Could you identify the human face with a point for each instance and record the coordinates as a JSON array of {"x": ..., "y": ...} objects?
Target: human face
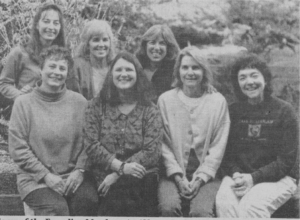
[
  {"x": 252, "y": 84},
  {"x": 156, "y": 49},
  {"x": 124, "y": 74},
  {"x": 48, "y": 26},
  {"x": 54, "y": 74},
  {"x": 191, "y": 73},
  {"x": 99, "y": 46}
]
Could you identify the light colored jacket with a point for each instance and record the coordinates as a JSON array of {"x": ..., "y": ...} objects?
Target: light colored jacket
[{"x": 205, "y": 129}]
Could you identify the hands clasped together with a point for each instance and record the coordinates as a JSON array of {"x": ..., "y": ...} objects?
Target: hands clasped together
[
  {"x": 188, "y": 189},
  {"x": 134, "y": 169},
  {"x": 64, "y": 187},
  {"x": 242, "y": 183}
]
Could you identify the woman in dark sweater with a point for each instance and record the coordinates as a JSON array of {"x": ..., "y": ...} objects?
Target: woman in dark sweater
[
  {"x": 157, "y": 54},
  {"x": 262, "y": 146}
]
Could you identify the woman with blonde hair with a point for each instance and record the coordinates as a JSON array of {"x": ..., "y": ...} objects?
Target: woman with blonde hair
[
  {"x": 157, "y": 54},
  {"x": 196, "y": 125},
  {"x": 94, "y": 53}
]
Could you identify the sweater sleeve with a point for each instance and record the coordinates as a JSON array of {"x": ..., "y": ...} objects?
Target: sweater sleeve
[
  {"x": 19, "y": 147},
  {"x": 217, "y": 144},
  {"x": 10, "y": 71},
  {"x": 96, "y": 152},
  {"x": 150, "y": 153},
  {"x": 169, "y": 159},
  {"x": 82, "y": 158},
  {"x": 287, "y": 153},
  {"x": 73, "y": 82}
]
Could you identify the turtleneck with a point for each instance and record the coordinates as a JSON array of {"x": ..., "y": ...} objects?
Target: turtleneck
[{"x": 50, "y": 97}]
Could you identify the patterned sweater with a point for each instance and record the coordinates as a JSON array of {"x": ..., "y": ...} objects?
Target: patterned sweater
[{"x": 109, "y": 134}]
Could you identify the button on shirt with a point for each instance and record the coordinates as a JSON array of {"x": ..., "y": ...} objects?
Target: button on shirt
[{"x": 110, "y": 134}]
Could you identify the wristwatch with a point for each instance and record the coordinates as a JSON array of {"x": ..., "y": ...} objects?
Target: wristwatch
[{"x": 121, "y": 169}]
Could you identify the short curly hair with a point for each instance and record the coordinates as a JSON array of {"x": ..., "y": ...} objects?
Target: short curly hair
[
  {"x": 57, "y": 53},
  {"x": 250, "y": 61}
]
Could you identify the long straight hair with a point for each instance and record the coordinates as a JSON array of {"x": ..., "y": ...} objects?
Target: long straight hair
[
  {"x": 34, "y": 46},
  {"x": 143, "y": 90}
]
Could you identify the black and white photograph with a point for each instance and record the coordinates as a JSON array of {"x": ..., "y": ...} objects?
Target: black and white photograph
[{"x": 149, "y": 109}]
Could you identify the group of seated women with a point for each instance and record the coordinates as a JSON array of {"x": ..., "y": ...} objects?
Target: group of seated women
[{"x": 155, "y": 137}]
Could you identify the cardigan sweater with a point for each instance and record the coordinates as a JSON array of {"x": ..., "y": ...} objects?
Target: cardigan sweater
[
  {"x": 45, "y": 135},
  {"x": 18, "y": 67},
  {"x": 263, "y": 140},
  {"x": 204, "y": 128},
  {"x": 81, "y": 78}
]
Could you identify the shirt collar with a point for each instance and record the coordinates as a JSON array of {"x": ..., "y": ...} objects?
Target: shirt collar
[{"x": 114, "y": 113}]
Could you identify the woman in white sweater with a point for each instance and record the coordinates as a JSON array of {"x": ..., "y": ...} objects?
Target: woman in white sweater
[{"x": 196, "y": 125}]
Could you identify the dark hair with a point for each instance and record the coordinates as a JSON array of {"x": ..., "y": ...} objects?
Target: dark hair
[
  {"x": 201, "y": 59},
  {"x": 151, "y": 34},
  {"x": 34, "y": 46},
  {"x": 143, "y": 88},
  {"x": 57, "y": 53},
  {"x": 250, "y": 61}
]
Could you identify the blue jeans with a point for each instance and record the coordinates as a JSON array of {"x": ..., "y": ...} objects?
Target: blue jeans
[
  {"x": 202, "y": 205},
  {"x": 47, "y": 202}
]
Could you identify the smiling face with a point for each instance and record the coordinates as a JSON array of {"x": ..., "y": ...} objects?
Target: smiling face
[
  {"x": 124, "y": 74},
  {"x": 54, "y": 74},
  {"x": 99, "y": 46},
  {"x": 48, "y": 26},
  {"x": 252, "y": 84},
  {"x": 191, "y": 74},
  {"x": 156, "y": 49}
]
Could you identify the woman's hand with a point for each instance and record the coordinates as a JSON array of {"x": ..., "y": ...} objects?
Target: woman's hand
[
  {"x": 107, "y": 182},
  {"x": 195, "y": 186},
  {"x": 73, "y": 182},
  {"x": 134, "y": 169},
  {"x": 242, "y": 184},
  {"x": 183, "y": 186},
  {"x": 26, "y": 89},
  {"x": 55, "y": 182},
  {"x": 211, "y": 89}
]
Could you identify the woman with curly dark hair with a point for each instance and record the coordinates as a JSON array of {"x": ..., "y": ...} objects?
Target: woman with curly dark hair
[
  {"x": 157, "y": 54},
  {"x": 262, "y": 146},
  {"x": 122, "y": 137},
  {"x": 21, "y": 70},
  {"x": 45, "y": 141}
]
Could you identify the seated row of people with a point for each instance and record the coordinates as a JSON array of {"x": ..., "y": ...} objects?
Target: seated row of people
[{"x": 143, "y": 159}]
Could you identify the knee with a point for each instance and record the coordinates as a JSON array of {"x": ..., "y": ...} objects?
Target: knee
[
  {"x": 60, "y": 208},
  {"x": 202, "y": 212},
  {"x": 170, "y": 209},
  {"x": 253, "y": 210}
]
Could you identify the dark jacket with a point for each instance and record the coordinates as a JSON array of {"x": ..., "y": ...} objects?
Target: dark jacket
[{"x": 263, "y": 140}]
